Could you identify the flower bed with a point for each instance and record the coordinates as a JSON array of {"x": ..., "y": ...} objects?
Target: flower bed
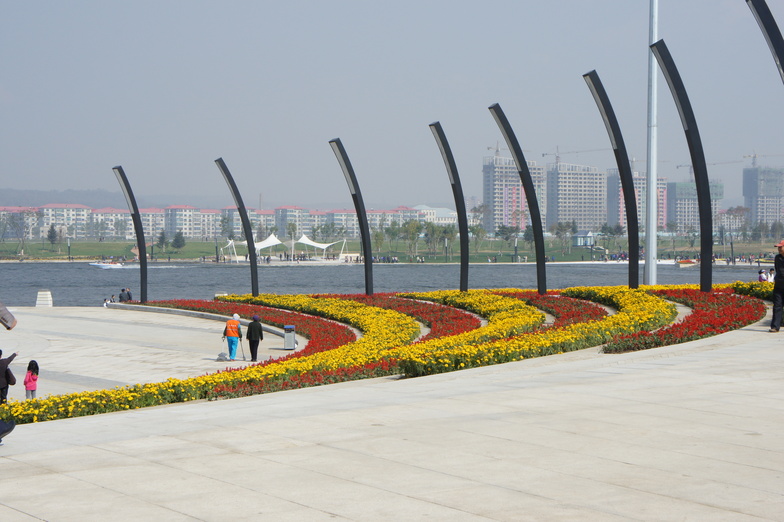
[
  {"x": 637, "y": 310},
  {"x": 566, "y": 310},
  {"x": 712, "y": 313},
  {"x": 388, "y": 335},
  {"x": 442, "y": 320}
]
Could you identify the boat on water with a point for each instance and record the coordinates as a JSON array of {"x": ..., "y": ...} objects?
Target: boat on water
[{"x": 101, "y": 264}]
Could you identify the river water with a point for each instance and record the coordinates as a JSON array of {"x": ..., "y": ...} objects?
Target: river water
[{"x": 79, "y": 284}]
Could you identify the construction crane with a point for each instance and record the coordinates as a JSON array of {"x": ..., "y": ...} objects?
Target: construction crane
[
  {"x": 558, "y": 154},
  {"x": 754, "y": 157},
  {"x": 498, "y": 148},
  {"x": 691, "y": 167}
]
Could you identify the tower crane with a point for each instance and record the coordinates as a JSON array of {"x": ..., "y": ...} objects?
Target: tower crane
[
  {"x": 691, "y": 167},
  {"x": 754, "y": 157},
  {"x": 558, "y": 154},
  {"x": 498, "y": 148}
]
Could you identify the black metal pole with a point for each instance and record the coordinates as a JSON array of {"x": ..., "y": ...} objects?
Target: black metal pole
[
  {"x": 138, "y": 229},
  {"x": 359, "y": 205},
  {"x": 689, "y": 123},
  {"x": 530, "y": 194},
  {"x": 457, "y": 192},
  {"x": 766, "y": 22},
  {"x": 254, "y": 271},
  {"x": 624, "y": 170}
]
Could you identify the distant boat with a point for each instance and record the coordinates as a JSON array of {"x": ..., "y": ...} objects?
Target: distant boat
[{"x": 107, "y": 265}]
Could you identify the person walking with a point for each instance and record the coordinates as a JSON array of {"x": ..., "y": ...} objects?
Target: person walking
[
  {"x": 6, "y": 377},
  {"x": 778, "y": 288},
  {"x": 232, "y": 333},
  {"x": 254, "y": 336},
  {"x": 31, "y": 380}
]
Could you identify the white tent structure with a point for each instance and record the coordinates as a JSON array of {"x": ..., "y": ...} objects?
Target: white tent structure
[
  {"x": 305, "y": 240},
  {"x": 271, "y": 241}
]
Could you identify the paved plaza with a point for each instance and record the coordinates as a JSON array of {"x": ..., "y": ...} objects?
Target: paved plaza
[{"x": 687, "y": 432}]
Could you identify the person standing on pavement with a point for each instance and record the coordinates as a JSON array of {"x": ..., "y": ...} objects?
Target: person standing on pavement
[
  {"x": 6, "y": 377},
  {"x": 254, "y": 336},
  {"x": 232, "y": 333},
  {"x": 123, "y": 295},
  {"x": 31, "y": 380},
  {"x": 778, "y": 288},
  {"x": 128, "y": 295}
]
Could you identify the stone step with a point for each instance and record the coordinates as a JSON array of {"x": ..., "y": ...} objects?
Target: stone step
[{"x": 44, "y": 298}]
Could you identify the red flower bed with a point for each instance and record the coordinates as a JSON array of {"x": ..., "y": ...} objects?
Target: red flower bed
[
  {"x": 442, "y": 320},
  {"x": 712, "y": 313},
  {"x": 566, "y": 310}
]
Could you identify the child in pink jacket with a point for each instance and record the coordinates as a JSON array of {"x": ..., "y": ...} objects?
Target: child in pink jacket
[{"x": 31, "y": 380}]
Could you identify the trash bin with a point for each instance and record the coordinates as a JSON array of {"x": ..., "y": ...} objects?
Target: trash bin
[{"x": 289, "y": 342}]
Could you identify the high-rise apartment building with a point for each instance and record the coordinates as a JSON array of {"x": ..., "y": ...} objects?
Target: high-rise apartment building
[
  {"x": 504, "y": 196},
  {"x": 576, "y": 194},
  {"x": 616, "y": 206},
  {"x": 682, "y": 207},
  {"x": 763, "y": 194}
]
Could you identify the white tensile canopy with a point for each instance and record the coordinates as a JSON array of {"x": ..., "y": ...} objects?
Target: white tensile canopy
[
  {"x": 273, "y": 240},
  {"x": 307, "y": 241}
]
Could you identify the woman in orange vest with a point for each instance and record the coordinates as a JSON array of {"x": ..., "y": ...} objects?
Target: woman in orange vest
[{"x": 232, "y": 334}]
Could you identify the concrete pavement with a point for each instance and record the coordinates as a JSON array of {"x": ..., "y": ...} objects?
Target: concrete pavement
[
  {"x": 93, "y": 348},
  {"x": 688, "y": 432}
]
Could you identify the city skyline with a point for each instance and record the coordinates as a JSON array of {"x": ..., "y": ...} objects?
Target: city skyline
[{"x": 164, "y": 89}]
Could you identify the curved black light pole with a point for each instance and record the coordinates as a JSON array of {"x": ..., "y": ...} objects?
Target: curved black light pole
[
  {"x": 760, "y": 10},
  {"x": 457, "y": 191},
  {"x": 625, "y": 171},
  {"x": 530, "y": 194},
  {"x": 138, "y": 229},
  {"x": 254, "y": 272},
  {"x": 689, "y": 123},
  {"x": 359, "y": 206}
]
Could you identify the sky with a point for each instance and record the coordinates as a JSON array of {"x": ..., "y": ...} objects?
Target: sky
[{"x": 165, "y": 88}]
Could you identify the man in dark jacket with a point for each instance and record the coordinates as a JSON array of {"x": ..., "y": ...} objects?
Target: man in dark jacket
[
  {"x": 778, "y": 288},
  {"x": 4, "y": 376},
  {"x": 254, "y": 336}
]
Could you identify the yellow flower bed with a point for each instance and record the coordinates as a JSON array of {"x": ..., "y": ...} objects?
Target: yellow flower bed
[
  {"x": 506, "y": 317},
  {"x": 637, "y": 310}
]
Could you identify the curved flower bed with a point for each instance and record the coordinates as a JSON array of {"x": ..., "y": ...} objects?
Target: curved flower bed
[
  {"x": 442, "y": 320},
  {"x": 637, "y": 310},
  {"x": 712, "y": 313},
  {"x": 566, "y": 310},
  {"x": 387, "y": 337}
]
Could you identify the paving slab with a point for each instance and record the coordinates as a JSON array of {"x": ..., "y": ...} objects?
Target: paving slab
[{"x": 686, "y": 432}]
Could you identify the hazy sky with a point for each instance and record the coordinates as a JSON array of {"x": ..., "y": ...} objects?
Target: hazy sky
[{"x": 165, "y": 88}]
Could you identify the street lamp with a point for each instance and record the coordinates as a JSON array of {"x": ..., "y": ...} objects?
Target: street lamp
[
  {"x": 457, "y": 192},
  {"x": 624, "y": 170},
  {"x": 254, "y": 273},
  {"x": 689, "y": 123},
  {"x": 138, "y": 229},
  {"x": 530, "y": 194},
  {"x": 359, "y": 206},
  {"x": 766, "y": 22}
]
